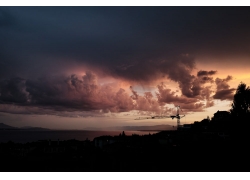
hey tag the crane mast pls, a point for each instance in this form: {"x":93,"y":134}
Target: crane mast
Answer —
{"x":178,"y":117}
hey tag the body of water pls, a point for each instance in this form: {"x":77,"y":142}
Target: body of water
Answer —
{"x":24,"y":136}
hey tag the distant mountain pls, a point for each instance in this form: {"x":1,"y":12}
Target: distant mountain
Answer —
{"x":4,"y":126}
{"x":7,"y":127}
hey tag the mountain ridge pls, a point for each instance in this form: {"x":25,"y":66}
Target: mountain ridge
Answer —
{"x":7,"y":127}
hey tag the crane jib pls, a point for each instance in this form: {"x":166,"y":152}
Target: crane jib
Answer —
{"x":177,"y":116}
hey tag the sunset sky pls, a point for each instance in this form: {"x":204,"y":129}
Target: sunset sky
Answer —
{"x":81,"y":67}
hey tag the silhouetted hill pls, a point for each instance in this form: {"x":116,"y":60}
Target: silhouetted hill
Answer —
{"x":7,"y":127}
{"x":4,"y":126}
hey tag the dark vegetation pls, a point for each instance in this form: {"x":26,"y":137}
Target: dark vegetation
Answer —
{"x":217,"y":144}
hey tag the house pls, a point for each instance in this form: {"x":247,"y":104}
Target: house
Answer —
{"x":221,"y":115}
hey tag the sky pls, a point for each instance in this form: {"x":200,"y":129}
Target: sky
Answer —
{"x":77,"y":67}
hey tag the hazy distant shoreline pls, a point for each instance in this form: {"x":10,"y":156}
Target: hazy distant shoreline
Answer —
{"x":25,"y":136}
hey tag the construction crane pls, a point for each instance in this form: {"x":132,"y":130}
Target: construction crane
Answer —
{"x":177,"y":116}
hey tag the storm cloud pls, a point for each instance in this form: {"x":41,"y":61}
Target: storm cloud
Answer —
{"x":206,"y":73}
{"x":46,"y":50}
{"x":70,"y":94}
{"x":224,"y":91}
{"x":134,"y":43}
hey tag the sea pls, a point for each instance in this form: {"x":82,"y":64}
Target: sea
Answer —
{"x":24,"y":136}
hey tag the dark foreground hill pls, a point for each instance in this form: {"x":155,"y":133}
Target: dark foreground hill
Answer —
{"x":167,"y":151}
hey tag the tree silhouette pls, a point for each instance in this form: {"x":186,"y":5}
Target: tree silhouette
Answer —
{"x":241,"y":102}
{"x":240,"y":114}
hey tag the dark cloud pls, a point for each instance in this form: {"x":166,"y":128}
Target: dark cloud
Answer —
{"x":65,"y":94}
{"x":78,"y":93}
{"x":51,"y":95}
{"x":6,"y":19}
{"x":195,"y":107}
{"x":207,"y":79}
{"x":128,"y":42}
{"x":190,"y":85}
{"x":195,"y":97}
{"x":165,"y":96}
{"x":146,"y":70}
{"x":136,"y":44}
{"x":206,"y":73}
{"x":60,"y":94}
{"x":13,"y":91}
{"x":224,"y":94}
{"x":224,"y":91}
{"x":70,"y":94}
{"x":223,"y":83}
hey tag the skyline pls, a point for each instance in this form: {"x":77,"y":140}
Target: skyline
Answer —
{"x":76,"y":67}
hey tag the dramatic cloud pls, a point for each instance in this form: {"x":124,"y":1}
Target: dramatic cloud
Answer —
{"x":224,"y":94}
{"x":66,"y":94}
{"x":134,"y":43}
{"x":146,"y":103}
{"x":166,"y":96}
{"x":74,"y":93}
{"x":196,"y":94}
{"x":71,"y":94}
{"x":206,"y":73}
{"x":207,"y":79}
{"x":13,"y":91}
{"x":206,"y":94}
{"x":59,"y":60}
{"x":224,"y":91}
{"x":82,"y":96}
